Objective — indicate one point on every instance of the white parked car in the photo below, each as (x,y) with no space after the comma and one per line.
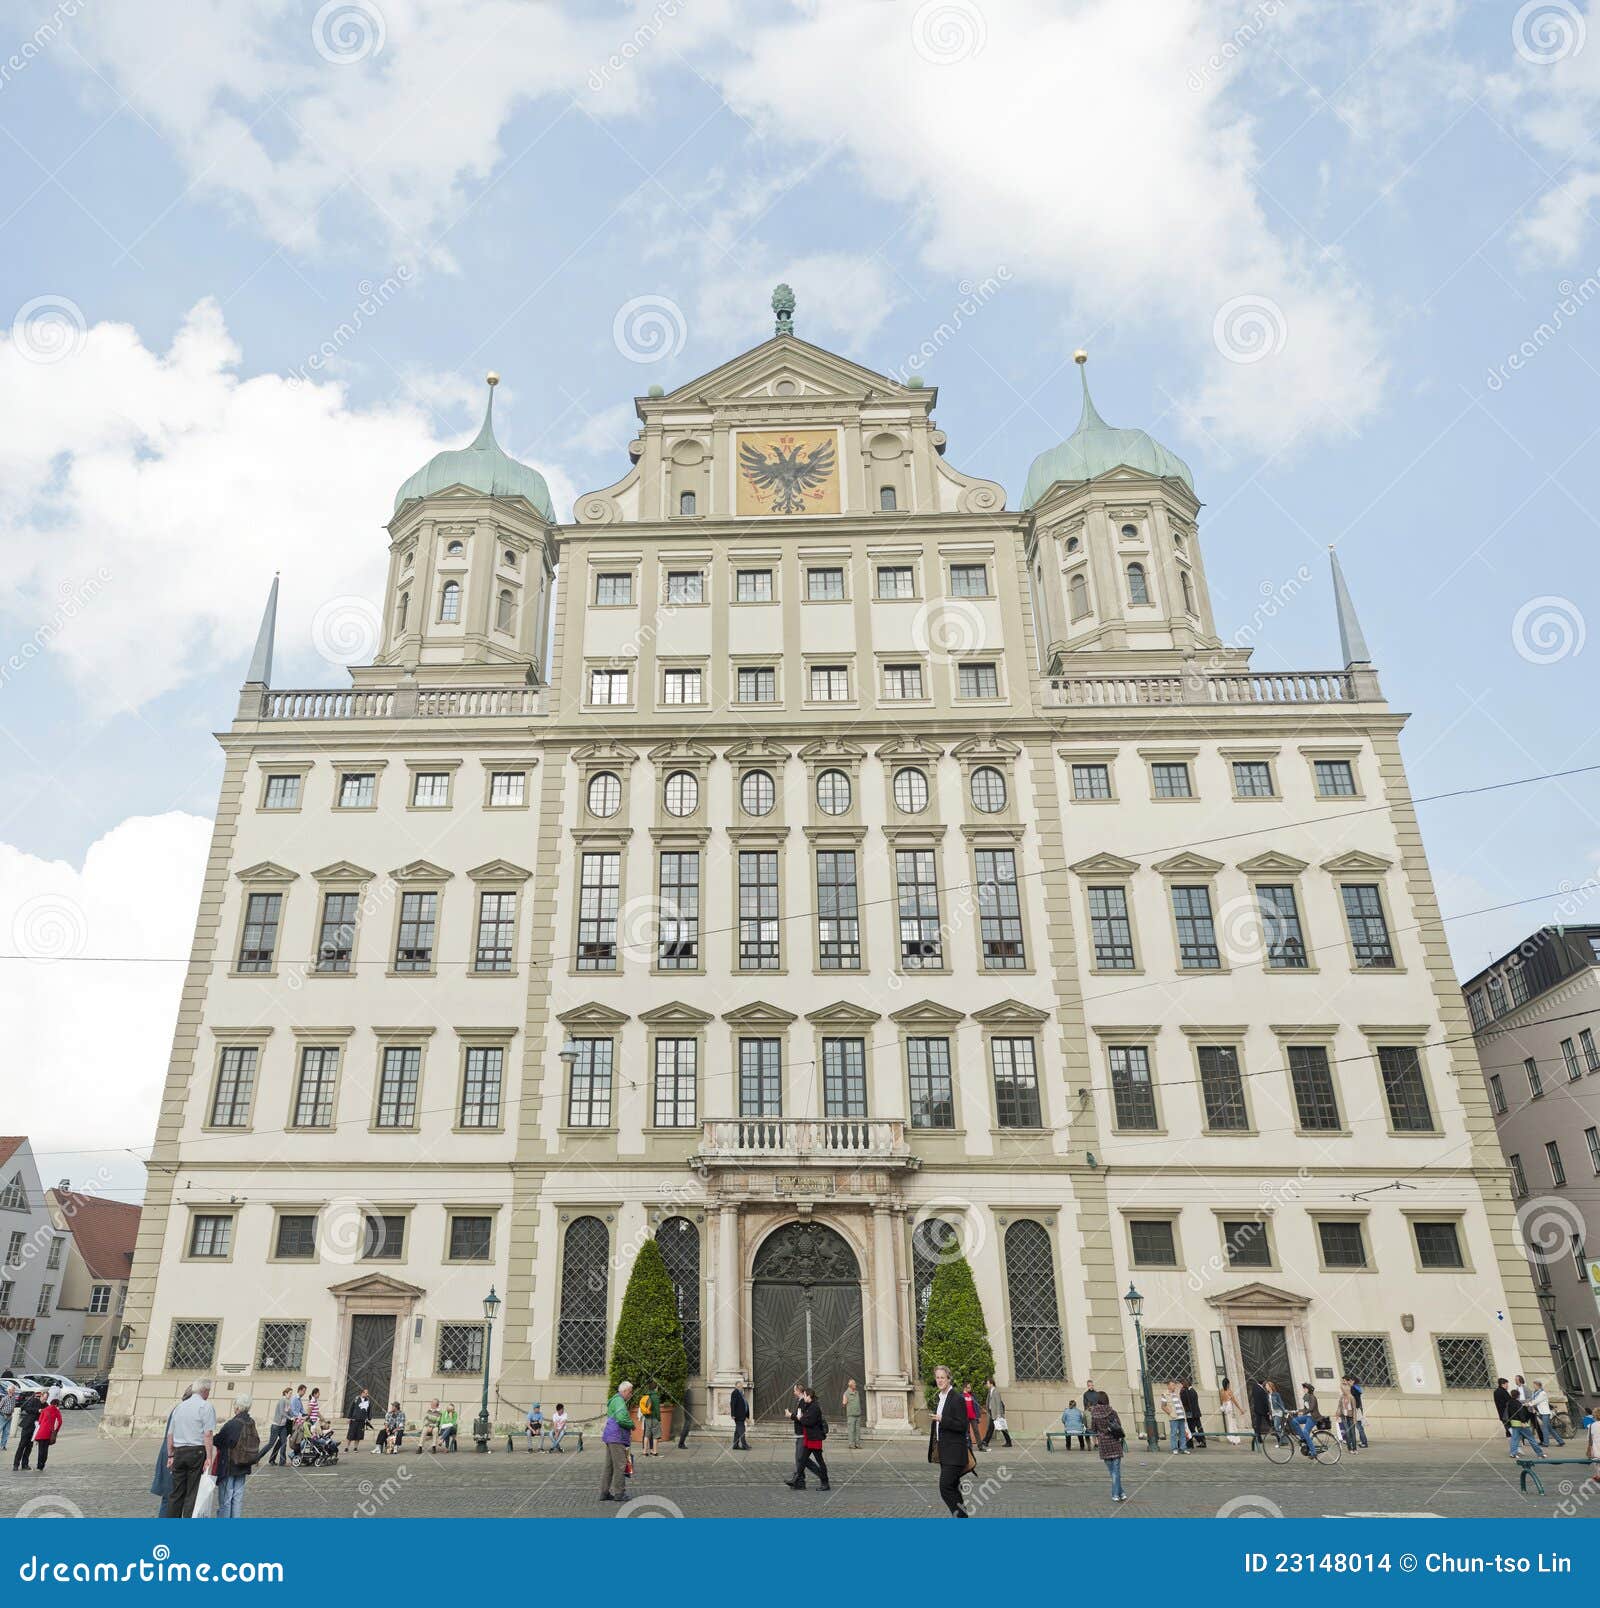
(72,1393)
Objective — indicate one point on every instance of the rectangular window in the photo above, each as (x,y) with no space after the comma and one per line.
(418,920)
(1171,780)
(1566,1361)
(1519,1179)
(1591,1055)
(508,789)
(297,1237)
(497,932)
(460,1349)
(1517,978)
(282,1347)
(1222,1088)
(1111,929)
(1000,910)
(481,1084)
(933,1100)
(589,1097)
(1197,935)
(1133,1092)
(760,1078)
(1343,1243)
(1438,1245)
(757,684)
(1478,1009)
(977,681)
(844,1077)
(52,1351)
(758,910)
(14,1249)
(753,586)
(313,1095)
(969,580)
(1091,781)
(675,1085)
(678,937)
(53,1255)
(608,687)
(686,586)
(397,1086)
(430,790)
(825,585)
(921,946)
(236,1082)
(1405,1089)
(682,687)
(336,939)
(99,1300)
(838,915)
(1569,1055)
(1369,932)
(1315,1103)
(1552,1156)
(1246,1242)
(283,793)
(896,580)
(6,1286)
(191,1346)
(1283,940)
(1578,1256)
(1154,1243)
(599,884)
(830,683)
(210,1236)
(612,591)
(259,942)
(89,1351)
(383,1237)
(358,790)
(1335,778)
(1497,1094)
(1530,1069)
(1252,778)
(470,1238)
(1016,1083)
(1591,1137)
(1464,1362)
(901,681)
(1591,1354)
(1366,1357)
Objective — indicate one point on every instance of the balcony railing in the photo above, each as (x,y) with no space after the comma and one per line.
(1238,687)
(362,703)
(783,1139)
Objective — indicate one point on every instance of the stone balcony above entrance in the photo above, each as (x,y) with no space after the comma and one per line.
(783,1142)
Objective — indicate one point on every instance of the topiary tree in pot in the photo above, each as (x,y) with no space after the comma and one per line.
(648,1344)
(954,1333)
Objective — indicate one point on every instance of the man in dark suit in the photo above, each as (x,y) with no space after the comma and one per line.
(1260,1412)
(683,1413)
(739,1410)
(1502,1404)
(948,1440)
(1090,1396)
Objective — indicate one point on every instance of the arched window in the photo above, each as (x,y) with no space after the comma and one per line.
(401,610)
(1035,1323)
(988,790)
(886,499)
(685,502)
(933,1241)
(450,603)
(910,790)
(683,793)
(581,1334)
(1138,592)
(679,1240)
(833,792)
(505,612)
(1078,596)
(1188,591)
(757,793)
(605,794)
(509,559)
(1073,544)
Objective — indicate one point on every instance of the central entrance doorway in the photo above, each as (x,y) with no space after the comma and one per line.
(1264,1354)
(805,1319)
(371,1360)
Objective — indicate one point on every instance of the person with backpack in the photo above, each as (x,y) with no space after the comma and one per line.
(813,1431)
(650,1421)
(1110,1441)
(237,1450)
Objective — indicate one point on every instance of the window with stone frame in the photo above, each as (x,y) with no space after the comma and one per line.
(1252,778)
(1405,1089)
(682,687)
(336,938)
(581,1327)
(1336,778)
(1154,1242)
(482,1080)
(1170,779)
(896,581)
(753,586)
(460,1349)
(599,883)
(1316,1101)
(757,684)
(1343,1242)
(1247,1242)
(901,682)
(471,1237)
(1282,937)
(613,591)
(838,912)
(844,1077)
(314,1089)
(1197,932)
(977,681)
(1091,781)
(1169,1354)
(1438,1244)
(1367,1357)
(1222,1089)
(933,1242)
(1036,1348)
(678,935)
(825,584)
(686,586)
(281,1347)
(497,932)
(589,1084)
(383,1237)
(296,1237)
(258,943)
(236,1083)
(1133,1093)
(1016,1083)
(759,934)
(358,790)
(1369,930)
(917,885)
(760,1077)
(418,926)
(969,580)
(191,1347)
(608,687)
(675,1093)
(999,910)
(508,789)
(401,1070)
(1111,929)
(283,792)
(932,1088)
(1464,1362)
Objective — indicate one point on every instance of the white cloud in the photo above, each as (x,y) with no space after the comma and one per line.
(97,1036)
(160,491)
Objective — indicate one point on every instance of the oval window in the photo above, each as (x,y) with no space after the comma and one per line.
(910,790)
(757,793)
(988,790)
(683,793)
(605,794)
(833,792)
(455,548)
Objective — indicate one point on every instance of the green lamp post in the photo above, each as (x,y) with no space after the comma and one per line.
(480,1430)
(1135,1304)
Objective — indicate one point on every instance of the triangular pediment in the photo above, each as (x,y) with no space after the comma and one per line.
(759,1014)
(675,1014)
(343,871)
(266,871)
(1273,862)
(843,1014)
(499,871)
(1011,1010)
(1259,1297)
(377,1286)
(420,871)
(1188,864)
(1104,865)
(927,1013)
(1356,860)
(815,372)
(592,1015)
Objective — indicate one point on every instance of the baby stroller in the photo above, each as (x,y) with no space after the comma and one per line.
(319,1449)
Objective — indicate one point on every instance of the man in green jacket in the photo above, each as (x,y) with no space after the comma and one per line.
(615,1438)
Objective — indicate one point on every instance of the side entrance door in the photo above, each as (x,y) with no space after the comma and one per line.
(371,1360)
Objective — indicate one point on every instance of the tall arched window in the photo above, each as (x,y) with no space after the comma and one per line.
(886,500)
(401,610)
(933,1241)
(505,612)
(1031,1284)
(1078,596)
(581,1334)
(685,502)
(1138,592)
(1188,591)
(679,1240)
(450,602)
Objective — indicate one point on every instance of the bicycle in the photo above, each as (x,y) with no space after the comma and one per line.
(1286,1442)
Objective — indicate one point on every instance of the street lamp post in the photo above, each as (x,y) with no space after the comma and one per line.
(1135,1304)
(480,1430)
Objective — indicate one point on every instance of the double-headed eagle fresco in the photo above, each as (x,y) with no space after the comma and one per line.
(787,473)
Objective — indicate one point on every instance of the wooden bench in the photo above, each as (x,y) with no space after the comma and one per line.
(1530,1469)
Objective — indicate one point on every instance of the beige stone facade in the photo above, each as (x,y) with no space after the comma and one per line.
(882,858)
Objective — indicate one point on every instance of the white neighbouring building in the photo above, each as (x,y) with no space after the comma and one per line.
(878,867)
(39,1327)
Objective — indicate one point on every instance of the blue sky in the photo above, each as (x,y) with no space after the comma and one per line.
(1342,259)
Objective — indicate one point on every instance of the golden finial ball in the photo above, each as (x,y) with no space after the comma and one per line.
(492,377)
(1080,356)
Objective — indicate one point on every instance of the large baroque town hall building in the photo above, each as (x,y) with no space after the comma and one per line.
(838,867)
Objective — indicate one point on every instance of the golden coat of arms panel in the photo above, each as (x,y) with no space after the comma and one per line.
(788,472)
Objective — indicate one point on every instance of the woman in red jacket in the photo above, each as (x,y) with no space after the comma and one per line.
(45,1432)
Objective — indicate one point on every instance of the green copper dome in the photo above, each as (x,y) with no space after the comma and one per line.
(1094,447)
(483,466)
